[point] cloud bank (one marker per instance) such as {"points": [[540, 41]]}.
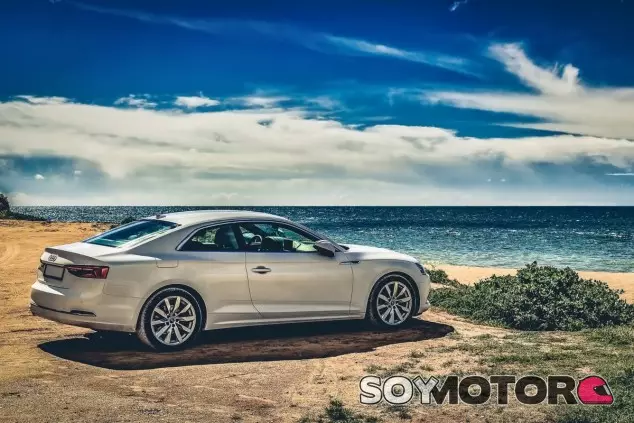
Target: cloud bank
{"points": [[121, 155]]}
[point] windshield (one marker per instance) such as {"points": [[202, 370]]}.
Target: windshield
{"points": [[134, 231]]}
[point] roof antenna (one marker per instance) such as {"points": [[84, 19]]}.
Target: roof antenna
{"points": [[159, 216]]}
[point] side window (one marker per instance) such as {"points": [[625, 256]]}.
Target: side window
{"points": [[215, 238], [274, 238]]}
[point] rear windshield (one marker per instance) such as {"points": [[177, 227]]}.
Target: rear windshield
{"points": [[135, 231]]}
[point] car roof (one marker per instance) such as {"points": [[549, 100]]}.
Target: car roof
{"points": [[195, 217]]}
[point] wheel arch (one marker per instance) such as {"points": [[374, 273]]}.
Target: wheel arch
{"points": [[403, 275]]}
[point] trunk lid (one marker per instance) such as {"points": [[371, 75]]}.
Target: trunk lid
{"points": [[76, 253]]}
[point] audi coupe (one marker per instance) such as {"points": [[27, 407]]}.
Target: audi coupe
{"points": [[170, 276]]}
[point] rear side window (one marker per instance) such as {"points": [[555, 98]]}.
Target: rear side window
{"points": [[135, 231], [217, 238]]}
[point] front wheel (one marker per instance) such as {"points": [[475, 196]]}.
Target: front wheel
{"points": [[391, 302], [171, 319]]}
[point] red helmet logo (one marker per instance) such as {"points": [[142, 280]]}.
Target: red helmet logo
{"points": [[594, 390]]}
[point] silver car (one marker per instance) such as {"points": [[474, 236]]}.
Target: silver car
{"points": [[170, 276]]}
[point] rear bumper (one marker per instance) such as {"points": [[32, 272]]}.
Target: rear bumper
{"points": [[101, 311]]}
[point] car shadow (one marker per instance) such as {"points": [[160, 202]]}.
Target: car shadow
{"points": [[261, 343]]}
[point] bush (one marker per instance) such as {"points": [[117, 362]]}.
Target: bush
{"points": [[125, 221], [6, 213], [538, 298], [440, 276], [4, 205]]}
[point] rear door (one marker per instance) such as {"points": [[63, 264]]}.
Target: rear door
{"points": [[289, 279]]}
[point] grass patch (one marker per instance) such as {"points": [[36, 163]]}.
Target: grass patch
{"points": [[336, 412], [400, 411], [616, 336], [417, 354], [604, 351], [612, 354]]}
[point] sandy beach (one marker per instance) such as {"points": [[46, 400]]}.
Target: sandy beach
{"points": [[247, 375]]}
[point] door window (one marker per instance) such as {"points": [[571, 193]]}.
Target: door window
{"points": [[216, 238], [276, 238]]}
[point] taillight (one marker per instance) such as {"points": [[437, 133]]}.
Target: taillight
{"points": [[91, 272]]}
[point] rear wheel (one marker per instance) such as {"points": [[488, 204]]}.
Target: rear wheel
{"points": [[171, 319], [391, 302]]}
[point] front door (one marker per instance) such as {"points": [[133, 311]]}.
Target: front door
{"points": [[213, 263], [289, 279]]}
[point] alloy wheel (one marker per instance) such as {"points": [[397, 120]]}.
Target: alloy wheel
{"points": [[173, 320], [394, 303]]}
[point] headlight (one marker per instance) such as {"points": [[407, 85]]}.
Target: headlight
{"points": [[421, 268]]}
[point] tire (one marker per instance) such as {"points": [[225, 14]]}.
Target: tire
{"points": [[171, 319], [389, 311]]}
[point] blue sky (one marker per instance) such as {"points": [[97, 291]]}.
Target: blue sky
{"points": [[361, 103]]}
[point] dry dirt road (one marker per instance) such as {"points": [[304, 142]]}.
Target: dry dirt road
{"points": [[56, 373]]}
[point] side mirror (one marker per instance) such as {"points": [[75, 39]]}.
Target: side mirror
{"points": [[325, 248]]}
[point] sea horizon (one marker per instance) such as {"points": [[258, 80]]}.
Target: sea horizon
{"points": [[591, 238]]}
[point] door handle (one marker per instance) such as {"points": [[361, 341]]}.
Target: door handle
{"points": [[261, 269]]}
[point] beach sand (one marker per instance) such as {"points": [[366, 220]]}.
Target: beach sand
{"points": [[63, 374]]}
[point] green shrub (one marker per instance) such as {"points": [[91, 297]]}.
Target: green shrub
{"points": [[440, 276], [6, 213], [125, 221], [5, 207], [538, 298]]}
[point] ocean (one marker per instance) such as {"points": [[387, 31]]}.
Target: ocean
{"points": [[584, 238]]}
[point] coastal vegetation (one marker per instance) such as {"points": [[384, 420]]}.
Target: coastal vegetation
{"points": [[536, 298], [125, 221], [7, 213], [593, 330]]}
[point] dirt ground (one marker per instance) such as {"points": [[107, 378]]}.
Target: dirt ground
{"points": [[56, 373]]}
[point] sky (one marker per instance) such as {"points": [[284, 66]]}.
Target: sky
{"points": [[434, 102]]}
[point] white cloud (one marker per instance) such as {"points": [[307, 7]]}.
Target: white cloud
{"points": [[620, 174], [428, 58], [39, 177], [276, 156], [43, 100], [141, 102], [560, 100], [324, 102], [261, 100], [456, 4], [77, 172], [194, 102], [548, 81]]}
